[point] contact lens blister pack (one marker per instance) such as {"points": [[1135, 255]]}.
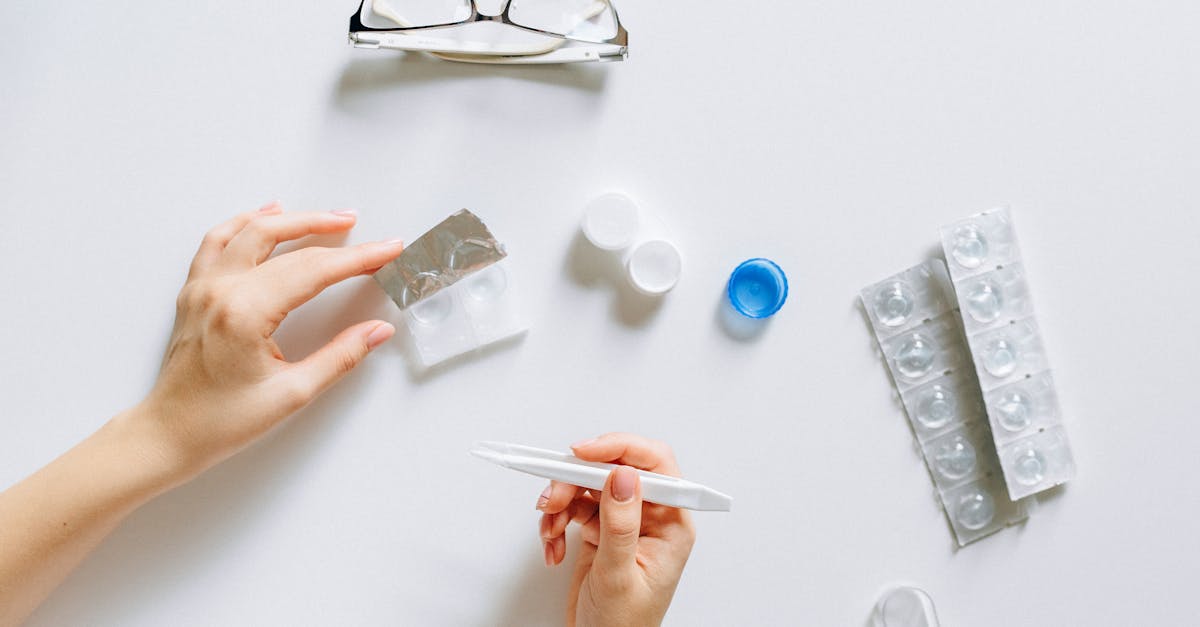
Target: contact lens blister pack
{"points": [[453, 286], [1006, 347], [921, 337]]}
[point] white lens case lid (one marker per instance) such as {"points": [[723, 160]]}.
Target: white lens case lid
{"points": [[652, 263], [654, 267], [611, 222]]}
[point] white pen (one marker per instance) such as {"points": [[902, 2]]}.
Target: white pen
{"points": [[656, 488]]}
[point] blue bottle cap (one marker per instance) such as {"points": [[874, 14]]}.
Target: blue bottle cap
{"points": [[758, 288]]}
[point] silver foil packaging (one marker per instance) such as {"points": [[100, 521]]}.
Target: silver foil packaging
{"points": [[459, 246]]}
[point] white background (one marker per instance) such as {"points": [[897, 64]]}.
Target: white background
{"points": [[833, 137]]}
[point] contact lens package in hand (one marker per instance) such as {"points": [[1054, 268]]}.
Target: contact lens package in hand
{"points": [[453, 286], [1006, 348], [921, 337]]}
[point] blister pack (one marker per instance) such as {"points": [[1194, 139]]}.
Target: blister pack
{"points": [[454, 289], [919, 332], [1006, 347]]}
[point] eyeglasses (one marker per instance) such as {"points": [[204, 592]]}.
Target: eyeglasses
{"points": [[524, 32]]}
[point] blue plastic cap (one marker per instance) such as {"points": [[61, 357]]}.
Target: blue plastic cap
{"points": [[758, 288]]}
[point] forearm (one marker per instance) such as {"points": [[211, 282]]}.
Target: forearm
{"points": [[50, 521]]}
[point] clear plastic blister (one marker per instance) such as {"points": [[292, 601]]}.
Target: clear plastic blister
{"points": [[1023, 408], [981, 507], [926, 351], [979, 244], [992, 299], [1008, 353], [1039, 461], [470, 314], [908, 299], [922, 341], [1007, 350], [943, 404]]}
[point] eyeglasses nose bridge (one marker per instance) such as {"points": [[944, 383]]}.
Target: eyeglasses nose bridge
{"points": [[488, 17]]}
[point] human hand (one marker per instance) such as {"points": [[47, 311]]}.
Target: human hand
{"points": [[224, 381], [632, 553]]}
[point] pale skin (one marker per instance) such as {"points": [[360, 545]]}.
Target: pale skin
{"points": [[631, 553], [224, 383]]}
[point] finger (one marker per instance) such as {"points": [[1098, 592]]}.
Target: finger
{"points": [[255, 242], [315, 373], [631, 450], [590, 532], [620, 523], [559, 549], [295, 278], [557, 496], [218, 238], [581, 511]]}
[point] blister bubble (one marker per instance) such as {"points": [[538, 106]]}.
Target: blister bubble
{"points": [[894, 303], [1014, 411], [1000, 358], [955, 458], [976, 509], [914, 358], [985, 301], [1029, 467], [937, 408], [434, 309], [970, 247]]}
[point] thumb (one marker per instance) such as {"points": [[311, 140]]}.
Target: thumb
{"points": [[342, 354], [620, 521]]}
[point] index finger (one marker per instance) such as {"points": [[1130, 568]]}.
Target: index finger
{"points": [[630, 450], [298, 276], [218, 238]]}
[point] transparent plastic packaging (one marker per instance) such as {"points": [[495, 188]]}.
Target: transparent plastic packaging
{"points": [[1023, 408], [1008, 353], [925, 352], [453, 287], [922, 341], [904, 606], [1010, 361], [469, 315]]}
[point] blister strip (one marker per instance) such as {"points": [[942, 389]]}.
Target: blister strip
{"points": [[452, 285], [1006, 346], [921, 337]]}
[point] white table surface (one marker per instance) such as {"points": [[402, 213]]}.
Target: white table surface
{"points": [[833, 137]]}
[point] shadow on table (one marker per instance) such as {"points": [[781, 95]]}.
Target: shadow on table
{"points": [[153, 551], [590, 267], [540, 596], [178, 533], [735, 325], [361, 75]]}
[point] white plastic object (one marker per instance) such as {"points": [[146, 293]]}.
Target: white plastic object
{"points": [[905, 606], [656, 488], [474, 312], [912, 314], [652, 262], [1006, 345], [611, 222]]}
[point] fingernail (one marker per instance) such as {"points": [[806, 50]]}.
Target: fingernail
{"points": [[548, 553], [544, 499], [624, 483], [270, 207], [346, 213], [583, 443], [394, 242], [380, 334]]}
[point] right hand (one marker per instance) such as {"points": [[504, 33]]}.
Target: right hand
{"points": [[632, 553]]}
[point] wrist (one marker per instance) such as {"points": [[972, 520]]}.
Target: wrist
{"points": [[154, 462]]}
